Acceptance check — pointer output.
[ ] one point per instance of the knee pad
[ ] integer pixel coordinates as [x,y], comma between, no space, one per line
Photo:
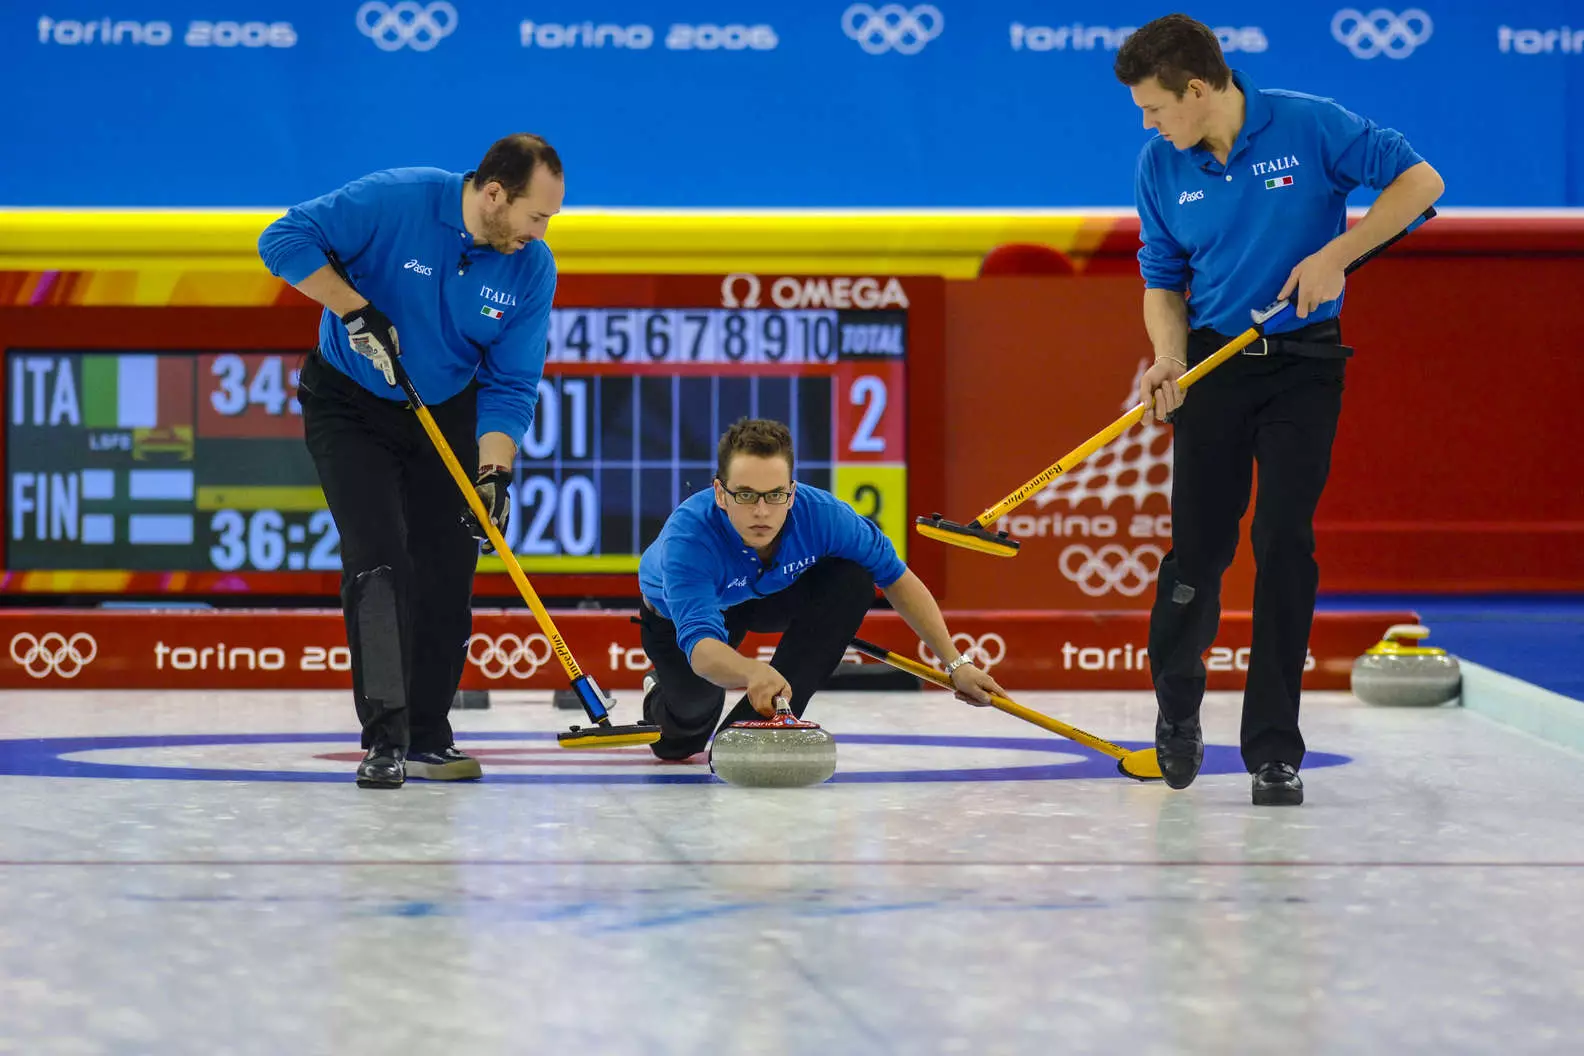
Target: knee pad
[377,637]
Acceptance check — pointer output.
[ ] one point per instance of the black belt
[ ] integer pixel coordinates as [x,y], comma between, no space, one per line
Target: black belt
[1321,340]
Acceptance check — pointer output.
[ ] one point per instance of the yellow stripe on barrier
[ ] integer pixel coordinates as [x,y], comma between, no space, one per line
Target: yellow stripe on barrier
[950,243]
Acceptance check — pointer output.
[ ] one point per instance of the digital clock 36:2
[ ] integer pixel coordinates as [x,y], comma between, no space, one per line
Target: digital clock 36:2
[270,541]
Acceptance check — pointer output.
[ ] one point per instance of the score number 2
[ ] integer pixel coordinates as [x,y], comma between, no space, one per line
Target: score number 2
[869,424]
[871,474]
[868,392]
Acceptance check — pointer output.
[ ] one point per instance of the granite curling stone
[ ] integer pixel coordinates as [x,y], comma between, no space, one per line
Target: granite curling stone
[1399,672]
[780,752]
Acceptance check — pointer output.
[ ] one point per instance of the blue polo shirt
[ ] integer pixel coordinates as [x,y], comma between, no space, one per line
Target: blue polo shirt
[1230,235]
[699,566]
[460,309]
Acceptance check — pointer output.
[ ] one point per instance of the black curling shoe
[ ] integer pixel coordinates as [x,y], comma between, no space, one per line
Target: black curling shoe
[1179,747]
[1277,785]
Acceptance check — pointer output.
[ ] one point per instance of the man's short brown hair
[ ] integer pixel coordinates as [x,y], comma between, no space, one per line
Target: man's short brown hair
[512,161]
[1174,49]
[761,437]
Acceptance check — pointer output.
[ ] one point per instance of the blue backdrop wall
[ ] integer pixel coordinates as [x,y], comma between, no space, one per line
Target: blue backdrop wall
[699,103]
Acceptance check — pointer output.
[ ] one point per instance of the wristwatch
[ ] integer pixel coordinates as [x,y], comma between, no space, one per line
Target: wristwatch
[962,658]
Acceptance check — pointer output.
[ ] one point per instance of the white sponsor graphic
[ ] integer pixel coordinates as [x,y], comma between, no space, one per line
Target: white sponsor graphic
[1189,196]
[1381,32]
[729,298]
[70,32]
[406,24]
[509,654]
[1081,37]
[1126,558]
[789,292]
[706,36]
[220,657]
[987,650]
[1130,658]
[623,658]
[680,36]
[53,653]
[1094,658]
[1567,40]
[892,27]
[421,269]
[1112,567]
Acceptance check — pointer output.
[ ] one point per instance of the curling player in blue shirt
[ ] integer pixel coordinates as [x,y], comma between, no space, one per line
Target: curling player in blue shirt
[761,552]
[454,264]
[1242,200]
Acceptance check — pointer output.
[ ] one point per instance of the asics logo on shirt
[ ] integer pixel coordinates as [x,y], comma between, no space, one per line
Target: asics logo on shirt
[422,269]
[1189,196]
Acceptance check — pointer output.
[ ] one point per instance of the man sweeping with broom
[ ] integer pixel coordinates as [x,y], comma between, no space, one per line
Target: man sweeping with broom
[1242,199]
[455,262]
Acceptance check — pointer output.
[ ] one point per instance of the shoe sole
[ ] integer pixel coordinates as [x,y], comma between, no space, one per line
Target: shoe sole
[365,782]
[458,771]
[1279,798]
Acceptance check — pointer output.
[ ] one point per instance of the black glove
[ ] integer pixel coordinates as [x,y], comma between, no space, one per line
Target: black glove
[494,491]
[374,338]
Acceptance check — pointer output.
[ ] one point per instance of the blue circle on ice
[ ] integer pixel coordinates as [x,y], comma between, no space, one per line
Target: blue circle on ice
[48,757]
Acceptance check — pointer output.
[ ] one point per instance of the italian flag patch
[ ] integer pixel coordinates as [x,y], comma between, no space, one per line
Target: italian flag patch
[496,313]
[1279,181]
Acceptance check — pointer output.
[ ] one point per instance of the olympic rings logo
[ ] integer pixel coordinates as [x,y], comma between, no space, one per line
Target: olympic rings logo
[892,26]
[54,652]
[509,654]
[1113,567]
[406,24]
[1381,32]
[987,650]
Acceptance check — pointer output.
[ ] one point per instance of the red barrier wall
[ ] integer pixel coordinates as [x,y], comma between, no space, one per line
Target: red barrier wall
[1453,469]
[306,649]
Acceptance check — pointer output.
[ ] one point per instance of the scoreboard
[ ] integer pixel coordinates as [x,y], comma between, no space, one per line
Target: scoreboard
[169,450]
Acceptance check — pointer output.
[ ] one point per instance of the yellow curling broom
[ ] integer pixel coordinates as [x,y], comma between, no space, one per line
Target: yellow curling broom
[603,734]
[977,535]
[1139,764]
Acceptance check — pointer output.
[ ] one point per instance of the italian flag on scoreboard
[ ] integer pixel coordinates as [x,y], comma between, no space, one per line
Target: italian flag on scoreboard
[137,392]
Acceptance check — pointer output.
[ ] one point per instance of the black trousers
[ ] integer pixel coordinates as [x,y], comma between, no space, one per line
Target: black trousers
[396,508]
[816,617]
[1278,412]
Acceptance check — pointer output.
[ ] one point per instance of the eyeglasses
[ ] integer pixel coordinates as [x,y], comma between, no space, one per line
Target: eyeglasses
[750,497]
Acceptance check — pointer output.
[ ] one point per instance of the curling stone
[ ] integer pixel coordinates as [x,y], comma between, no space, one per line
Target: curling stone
[780,752]
[1399,672]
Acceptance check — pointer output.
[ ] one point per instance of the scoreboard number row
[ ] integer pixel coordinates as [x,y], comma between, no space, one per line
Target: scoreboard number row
[661,335]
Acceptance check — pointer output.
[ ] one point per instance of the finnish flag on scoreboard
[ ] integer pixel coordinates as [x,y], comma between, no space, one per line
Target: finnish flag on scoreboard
[109,494]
